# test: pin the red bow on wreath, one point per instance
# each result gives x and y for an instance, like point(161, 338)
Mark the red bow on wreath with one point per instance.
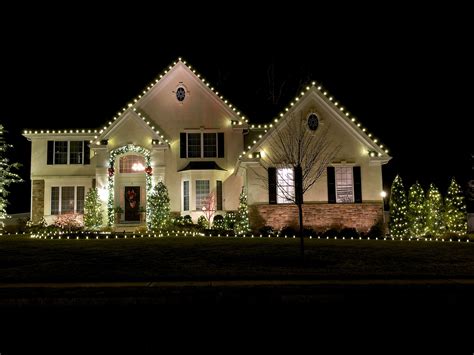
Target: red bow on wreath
point(111, 171)
point(148, 170)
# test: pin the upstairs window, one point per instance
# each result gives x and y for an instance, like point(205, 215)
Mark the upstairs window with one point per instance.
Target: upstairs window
point(60, 152)
point(68, 152)
point(202, 145)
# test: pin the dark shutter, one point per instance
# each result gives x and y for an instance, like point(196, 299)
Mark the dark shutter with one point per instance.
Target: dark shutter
point(357, 184)
point(50, 160)
point(298, 185)
point(220, 145)
point(331, 184)
point(87, 153)
point(272, 186)
point(219, 195)
point(182, 145)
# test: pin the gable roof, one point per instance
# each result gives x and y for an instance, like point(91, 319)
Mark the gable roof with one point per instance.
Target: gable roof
point(376, 150)
point(237, 117)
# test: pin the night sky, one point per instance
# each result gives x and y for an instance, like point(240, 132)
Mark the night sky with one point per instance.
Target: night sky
point(405, 74)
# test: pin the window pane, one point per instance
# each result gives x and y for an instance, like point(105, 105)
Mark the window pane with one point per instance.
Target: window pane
point(132, 164)
point(219, 195)
point(60, 152)
point(202, 192)
point(55, 200)
point(186, 196)
point(67, 199)
point(285, 185)
point(80, 199)
point(194, 145)
point(210, 145)
point(344, 185)
point(75, 152)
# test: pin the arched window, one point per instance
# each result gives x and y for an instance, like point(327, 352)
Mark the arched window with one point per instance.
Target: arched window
point(132, 164)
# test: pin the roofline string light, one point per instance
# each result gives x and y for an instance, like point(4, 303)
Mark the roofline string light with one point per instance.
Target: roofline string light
point(336, 106)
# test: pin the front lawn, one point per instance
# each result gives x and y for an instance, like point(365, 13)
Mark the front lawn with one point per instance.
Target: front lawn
point(202, 258)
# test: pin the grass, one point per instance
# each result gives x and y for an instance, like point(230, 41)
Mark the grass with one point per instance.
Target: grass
point(185, 258)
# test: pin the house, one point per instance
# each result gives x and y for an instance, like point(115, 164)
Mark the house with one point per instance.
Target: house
point(181, 131)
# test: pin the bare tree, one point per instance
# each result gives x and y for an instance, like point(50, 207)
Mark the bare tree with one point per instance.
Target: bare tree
point(300, 157)
point(209, 207)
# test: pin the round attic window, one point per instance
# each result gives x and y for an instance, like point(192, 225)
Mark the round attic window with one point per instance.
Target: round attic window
point(180, 94)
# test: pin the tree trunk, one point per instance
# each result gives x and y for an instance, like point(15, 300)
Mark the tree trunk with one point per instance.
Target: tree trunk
point(300, 215)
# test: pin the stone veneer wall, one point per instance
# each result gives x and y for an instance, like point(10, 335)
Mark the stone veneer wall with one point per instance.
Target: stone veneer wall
point(320, 217)
point(37, 208)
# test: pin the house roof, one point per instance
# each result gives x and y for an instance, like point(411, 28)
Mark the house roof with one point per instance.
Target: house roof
point(202, 165)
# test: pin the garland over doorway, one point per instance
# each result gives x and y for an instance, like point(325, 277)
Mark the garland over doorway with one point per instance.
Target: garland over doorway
point(129, 148)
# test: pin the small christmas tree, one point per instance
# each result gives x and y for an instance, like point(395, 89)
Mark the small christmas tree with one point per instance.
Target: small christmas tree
point(159, 207)
point(434, 212)
point(416, 211)
point(7, 177)
point(93, 210)
point(398, 224)
point(455, 217)
point(242, 224)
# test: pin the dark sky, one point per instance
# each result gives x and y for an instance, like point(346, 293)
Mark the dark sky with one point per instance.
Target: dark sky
point(406, 74)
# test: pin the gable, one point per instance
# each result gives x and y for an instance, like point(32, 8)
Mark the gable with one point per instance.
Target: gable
point(355, 140)
point(202, 106)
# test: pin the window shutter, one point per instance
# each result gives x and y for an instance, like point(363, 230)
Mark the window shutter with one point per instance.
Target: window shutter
point(50, 159)
point(87, 153)
point(298, 185)
point(182, 144)
point(272, 186)
point(331, 174)
point(220, 145)
point(357, 184)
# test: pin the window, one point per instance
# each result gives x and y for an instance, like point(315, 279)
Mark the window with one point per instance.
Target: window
point(344, 185)
point(130, 164)
point(67, 199)
point(219, 195)
point(210, 145)
point(68, 152)
point(285, 185)
point(202, 145)
point(75, 152)
point(180, 94)
point(60, 152)
point(186, 196)
point(202, 192)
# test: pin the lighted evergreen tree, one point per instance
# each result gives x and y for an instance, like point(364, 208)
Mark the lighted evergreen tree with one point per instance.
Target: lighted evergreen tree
point(434, 212)
point(159, 207)
point(242, 224)
point(93, 210)
point(7, 176)
point(398, 224)
point(455, 217)
point(416, 210)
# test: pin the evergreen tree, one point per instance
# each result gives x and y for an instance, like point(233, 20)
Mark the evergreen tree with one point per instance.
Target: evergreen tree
point(93, 210)
point(455, 217)
point(398, 224)
point(434, 212)
point(242, 224)
point(416, 211)
point(159, 207)
point(7, 177)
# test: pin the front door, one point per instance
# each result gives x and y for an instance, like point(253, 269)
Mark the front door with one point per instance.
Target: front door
point(132, 203)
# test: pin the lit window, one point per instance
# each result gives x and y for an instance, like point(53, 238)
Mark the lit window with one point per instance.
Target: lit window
point(285, 185)
point(202, 193)
point(130, 164)
point(344, 185)
point(67, 199)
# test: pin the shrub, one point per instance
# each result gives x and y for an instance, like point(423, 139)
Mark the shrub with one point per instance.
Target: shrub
point(218, 222)
point(349, 233)
point(377, 230)
point(202, 222)
point(187, 220)
point(69, 221)
point(266, 230)
point(230, 219)
point(331, 232)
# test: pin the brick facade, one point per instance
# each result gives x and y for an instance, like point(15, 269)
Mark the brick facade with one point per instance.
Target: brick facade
point(320, 217)
point(37, 208)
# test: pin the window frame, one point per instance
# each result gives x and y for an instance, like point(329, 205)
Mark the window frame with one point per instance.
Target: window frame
point(60, 194)
point(197, 193)
point(201, 144)
point(337, 183)
point(289, 186)
point(68, 152)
